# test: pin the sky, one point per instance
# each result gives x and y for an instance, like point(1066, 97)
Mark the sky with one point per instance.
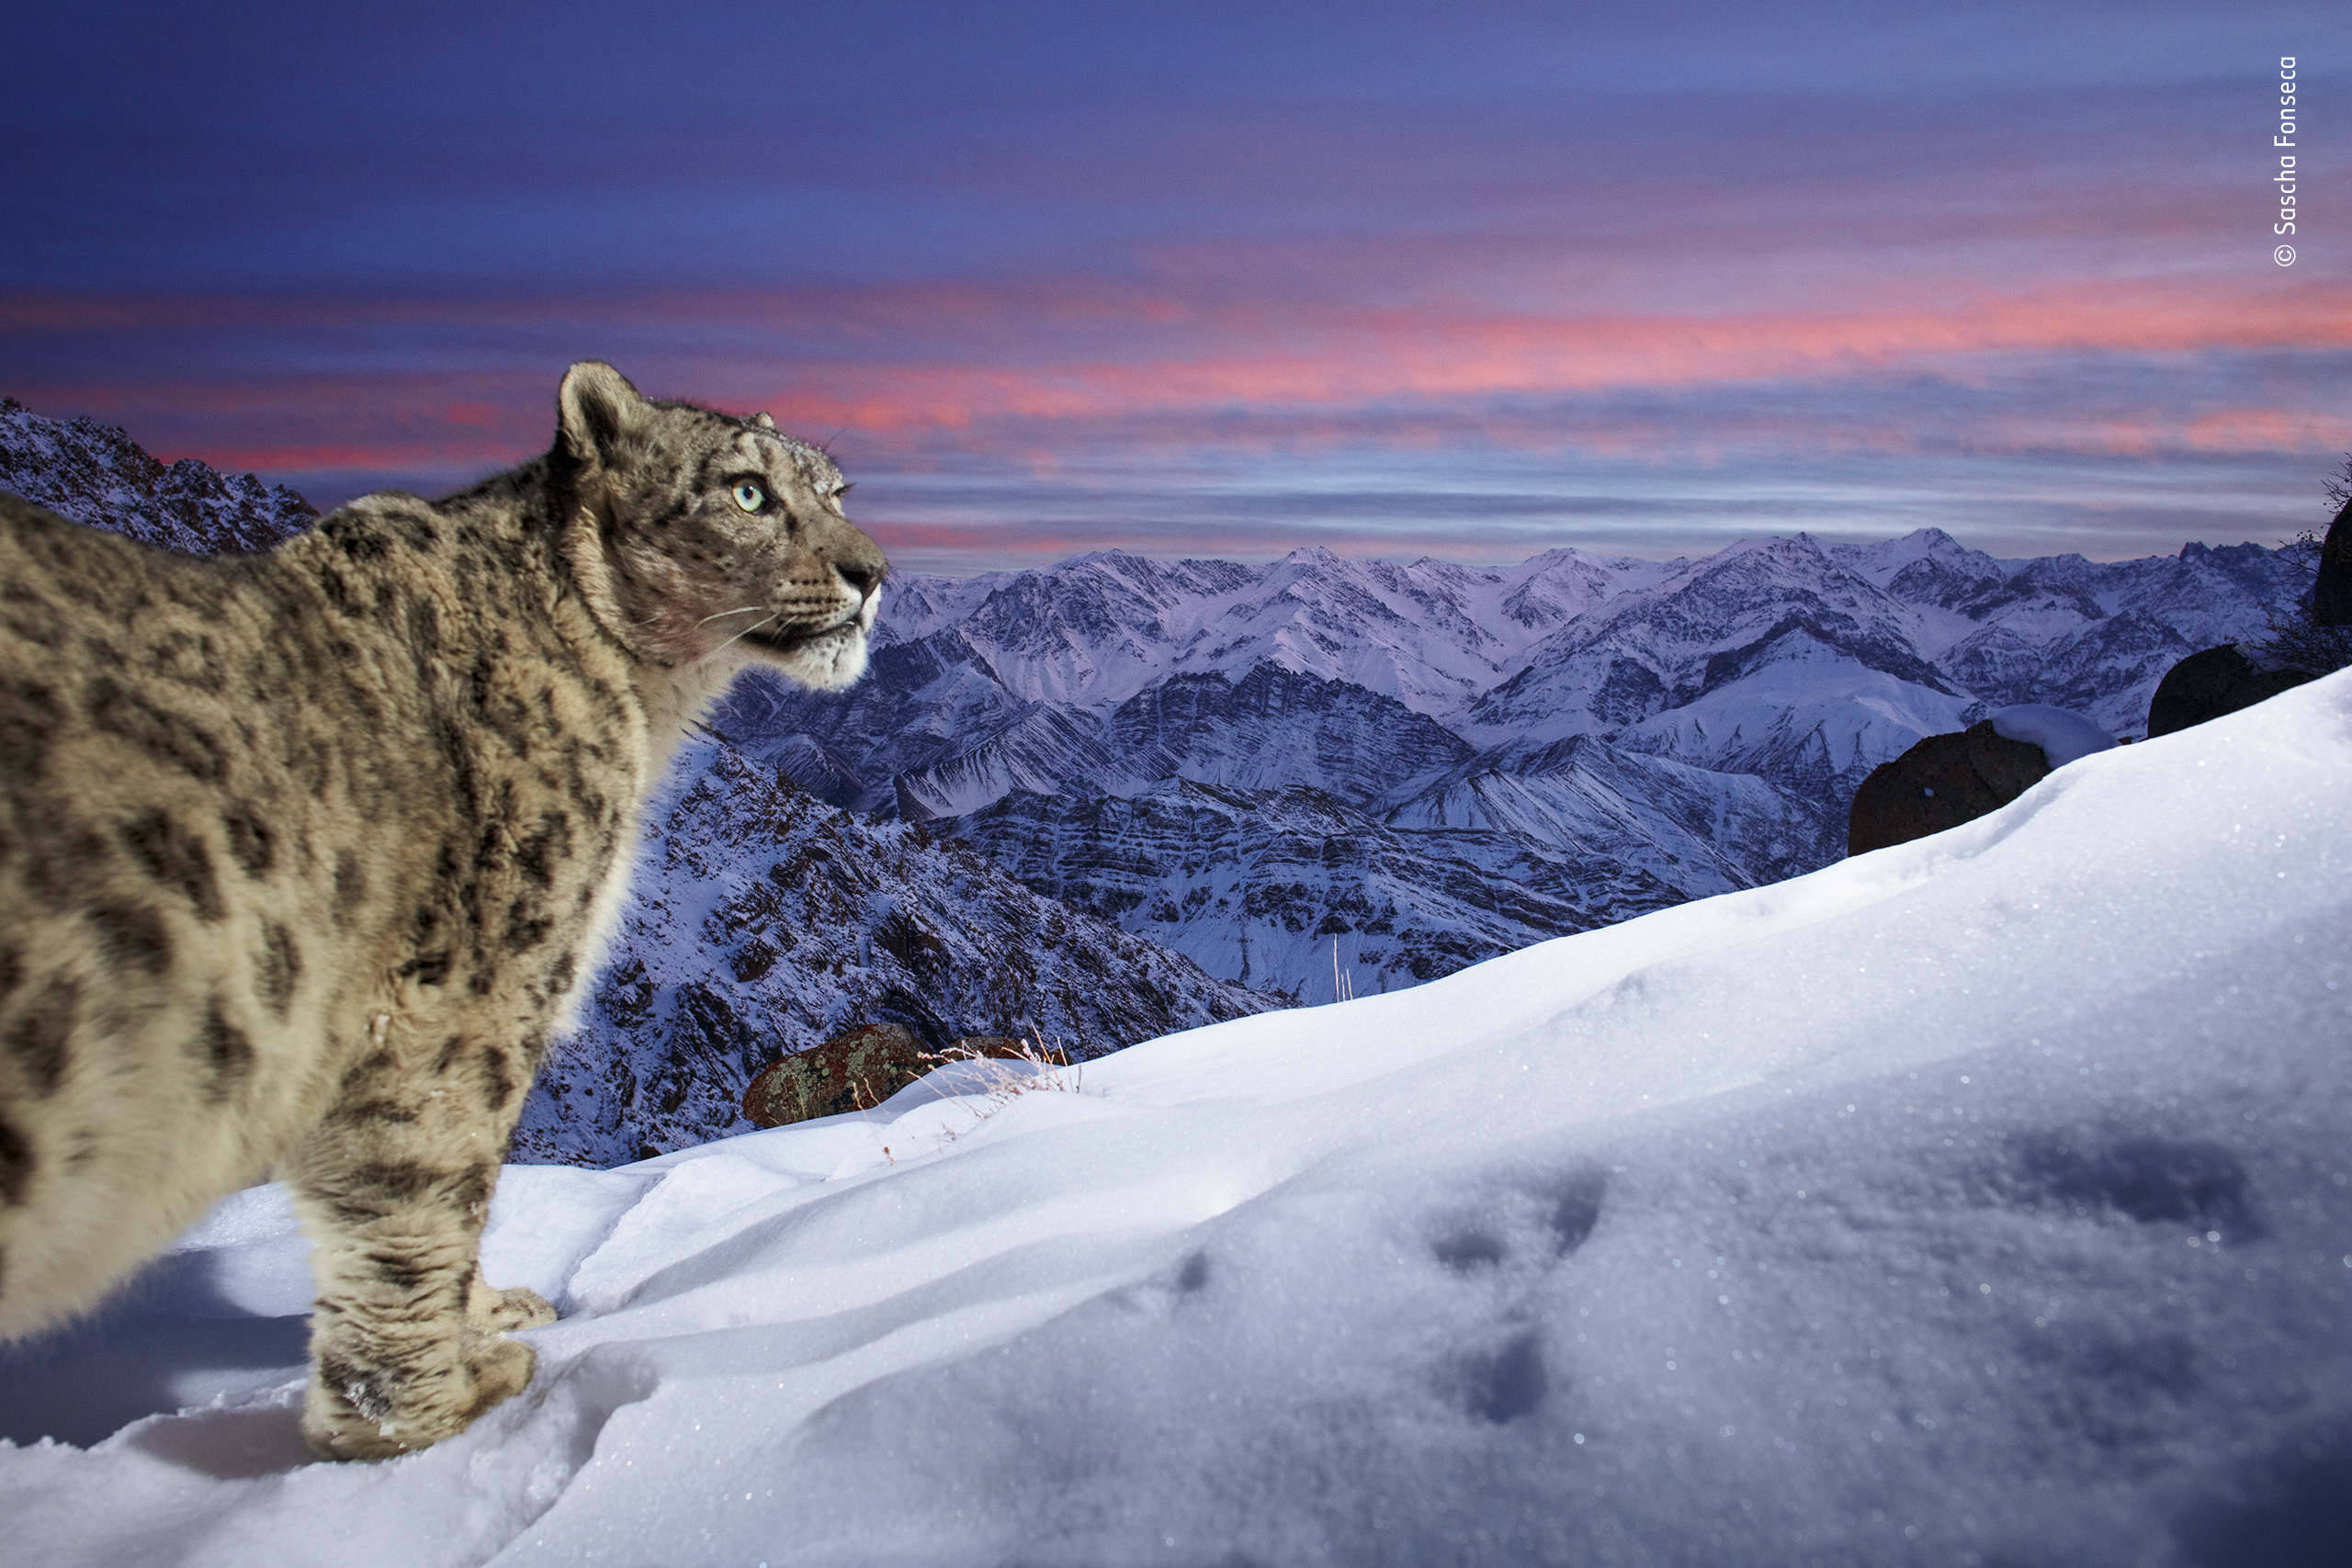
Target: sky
point(1472, 281)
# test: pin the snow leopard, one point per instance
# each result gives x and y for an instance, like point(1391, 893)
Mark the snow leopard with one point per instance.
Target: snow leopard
point(306, 856)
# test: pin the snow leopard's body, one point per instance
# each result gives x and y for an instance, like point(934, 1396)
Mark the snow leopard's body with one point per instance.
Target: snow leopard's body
point(305, 855)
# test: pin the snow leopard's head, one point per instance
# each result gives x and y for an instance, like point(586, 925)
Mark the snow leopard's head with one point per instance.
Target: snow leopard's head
point(718, 537)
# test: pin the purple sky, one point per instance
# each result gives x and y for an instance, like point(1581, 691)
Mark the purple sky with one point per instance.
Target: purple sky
point(1471, 280)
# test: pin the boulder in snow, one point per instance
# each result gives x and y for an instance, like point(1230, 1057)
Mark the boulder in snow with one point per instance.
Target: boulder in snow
point(2332, 594)
point(1941, 783)
point(858, 1071)
point(2211, 684)
point(851, 1072)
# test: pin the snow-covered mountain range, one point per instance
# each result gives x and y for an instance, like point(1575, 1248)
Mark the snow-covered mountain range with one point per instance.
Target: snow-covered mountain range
point(1311, 778)
point(1401, 769)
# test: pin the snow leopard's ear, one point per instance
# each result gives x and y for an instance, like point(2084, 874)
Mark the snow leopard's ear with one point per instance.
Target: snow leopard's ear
point(595, 409)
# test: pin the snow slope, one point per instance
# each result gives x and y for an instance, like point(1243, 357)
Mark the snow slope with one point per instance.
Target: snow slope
point(1982, 1201)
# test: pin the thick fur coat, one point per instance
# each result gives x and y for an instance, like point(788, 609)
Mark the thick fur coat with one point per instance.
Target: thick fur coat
point(305, 856)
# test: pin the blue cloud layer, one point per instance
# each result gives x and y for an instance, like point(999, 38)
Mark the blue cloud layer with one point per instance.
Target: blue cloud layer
point(356, 247)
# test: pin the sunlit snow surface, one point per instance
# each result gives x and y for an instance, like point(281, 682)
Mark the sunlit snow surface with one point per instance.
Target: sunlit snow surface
point(1980, 1200)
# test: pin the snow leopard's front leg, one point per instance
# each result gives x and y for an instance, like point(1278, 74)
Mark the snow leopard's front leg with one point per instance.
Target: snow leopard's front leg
point(406, 1340)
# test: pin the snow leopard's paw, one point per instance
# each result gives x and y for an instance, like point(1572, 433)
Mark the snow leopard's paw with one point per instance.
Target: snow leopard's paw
point(504, 1310)
point(356, 1411)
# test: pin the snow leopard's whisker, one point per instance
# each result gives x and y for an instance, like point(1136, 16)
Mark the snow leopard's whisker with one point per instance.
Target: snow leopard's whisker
point(747, 631)
point(739, 609)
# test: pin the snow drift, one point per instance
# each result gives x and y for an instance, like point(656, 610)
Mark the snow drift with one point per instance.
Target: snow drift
point(1980, 1200)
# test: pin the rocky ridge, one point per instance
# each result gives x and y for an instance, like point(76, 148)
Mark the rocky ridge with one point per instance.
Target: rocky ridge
point(95, 474)
point(763, 921)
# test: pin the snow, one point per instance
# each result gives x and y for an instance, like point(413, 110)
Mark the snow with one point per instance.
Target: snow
point(1982, 1199)
point(2064, 737)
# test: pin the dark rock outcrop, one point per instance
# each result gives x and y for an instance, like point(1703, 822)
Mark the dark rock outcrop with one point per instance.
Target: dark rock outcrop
point(2332, 594)
point(1942, 782)
point(856, 1072)
point(2209, 684)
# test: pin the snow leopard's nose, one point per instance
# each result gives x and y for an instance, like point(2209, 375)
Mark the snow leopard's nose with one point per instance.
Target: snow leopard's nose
point(864, 578)
point(861, 563)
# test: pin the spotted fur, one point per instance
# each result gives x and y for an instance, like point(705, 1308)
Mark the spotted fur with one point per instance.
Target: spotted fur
point(305, 856)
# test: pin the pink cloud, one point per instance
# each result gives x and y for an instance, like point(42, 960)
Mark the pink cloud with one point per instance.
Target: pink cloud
point(1170, 369)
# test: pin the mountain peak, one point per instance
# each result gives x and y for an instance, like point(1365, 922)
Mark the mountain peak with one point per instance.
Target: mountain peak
point(1879, 563)
point(1313, 555)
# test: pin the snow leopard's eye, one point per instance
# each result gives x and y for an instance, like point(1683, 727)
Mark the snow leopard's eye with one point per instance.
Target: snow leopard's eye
point(749, 496)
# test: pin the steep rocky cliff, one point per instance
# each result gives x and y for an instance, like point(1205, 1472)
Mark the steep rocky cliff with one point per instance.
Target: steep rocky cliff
point(764, 922)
